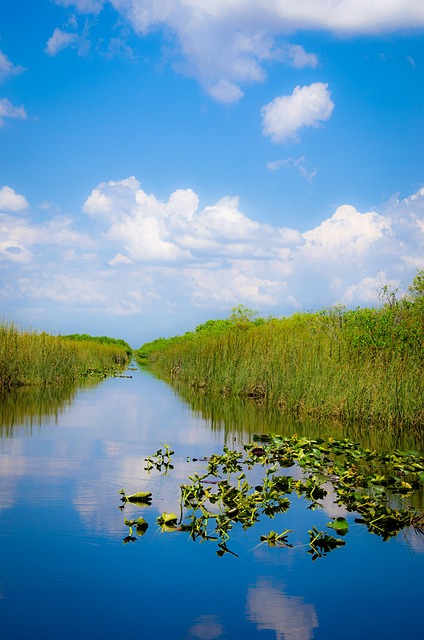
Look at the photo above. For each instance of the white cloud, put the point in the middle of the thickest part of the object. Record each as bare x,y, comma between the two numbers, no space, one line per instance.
306,107
97,203
119,259
226,44
12,201
168,259
19,235
348,234
225,91
83,6
61,288
236,282
296,163
60,40
14,251
8,110
145,228
7,68
299,58
367,290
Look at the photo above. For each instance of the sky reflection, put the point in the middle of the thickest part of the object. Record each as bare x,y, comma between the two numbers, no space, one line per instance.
270,608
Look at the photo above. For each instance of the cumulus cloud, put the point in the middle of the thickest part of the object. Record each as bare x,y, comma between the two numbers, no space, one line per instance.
224,257
146,229
347,234
351,16
226,45
367,289
163,259
7,68
19,235
8,110
12,201
306,107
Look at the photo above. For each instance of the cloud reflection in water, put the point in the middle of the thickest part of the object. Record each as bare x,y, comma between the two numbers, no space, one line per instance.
206,628
270,608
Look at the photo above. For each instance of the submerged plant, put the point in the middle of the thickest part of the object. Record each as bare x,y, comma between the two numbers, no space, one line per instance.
376,487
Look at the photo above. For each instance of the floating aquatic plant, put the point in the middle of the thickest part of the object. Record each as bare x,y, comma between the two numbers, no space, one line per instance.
161,460
376,487
141,498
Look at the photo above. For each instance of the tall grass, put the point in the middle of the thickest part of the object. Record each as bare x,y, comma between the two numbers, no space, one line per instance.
364,366
39,359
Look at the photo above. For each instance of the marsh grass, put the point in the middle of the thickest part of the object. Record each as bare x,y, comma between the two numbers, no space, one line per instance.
28,358
363,366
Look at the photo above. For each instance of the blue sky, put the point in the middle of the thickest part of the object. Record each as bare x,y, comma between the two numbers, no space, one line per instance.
163,161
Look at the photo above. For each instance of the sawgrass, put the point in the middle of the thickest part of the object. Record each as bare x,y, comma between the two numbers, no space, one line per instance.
28,358
363,366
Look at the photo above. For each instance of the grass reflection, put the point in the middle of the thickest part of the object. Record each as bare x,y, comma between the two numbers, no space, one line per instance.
29,406
240,418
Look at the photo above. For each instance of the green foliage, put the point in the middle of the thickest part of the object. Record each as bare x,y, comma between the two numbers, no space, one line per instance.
161,460
140,498
377,488
214,327
28,358
362,366
416,289
241,317
167,521
85,337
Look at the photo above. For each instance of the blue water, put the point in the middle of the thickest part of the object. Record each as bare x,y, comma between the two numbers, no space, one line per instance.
66,573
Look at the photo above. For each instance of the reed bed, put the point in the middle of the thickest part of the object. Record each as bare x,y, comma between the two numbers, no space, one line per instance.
363,366
28,358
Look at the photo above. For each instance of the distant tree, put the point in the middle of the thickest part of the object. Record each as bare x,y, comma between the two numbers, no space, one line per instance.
242,315
416,288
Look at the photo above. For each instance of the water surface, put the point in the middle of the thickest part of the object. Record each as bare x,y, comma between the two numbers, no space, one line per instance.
65,571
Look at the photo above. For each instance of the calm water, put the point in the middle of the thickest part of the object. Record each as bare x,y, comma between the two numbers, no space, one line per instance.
66,573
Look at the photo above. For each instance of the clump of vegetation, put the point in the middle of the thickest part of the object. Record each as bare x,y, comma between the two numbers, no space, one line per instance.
362,366
377,489
115,342
28,358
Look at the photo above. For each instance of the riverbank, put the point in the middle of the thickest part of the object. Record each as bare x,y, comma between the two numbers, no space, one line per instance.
363,366
28,358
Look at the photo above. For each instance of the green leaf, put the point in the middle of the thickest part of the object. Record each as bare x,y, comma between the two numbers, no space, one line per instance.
143,497
167,521
340,525
141,526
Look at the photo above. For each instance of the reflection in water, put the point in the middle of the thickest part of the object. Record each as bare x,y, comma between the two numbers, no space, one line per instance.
237,417
270,608
206,628
61,532
29,406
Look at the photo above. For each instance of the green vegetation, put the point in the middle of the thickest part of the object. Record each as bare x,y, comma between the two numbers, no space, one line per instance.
362,366
114,342
377,489
28,358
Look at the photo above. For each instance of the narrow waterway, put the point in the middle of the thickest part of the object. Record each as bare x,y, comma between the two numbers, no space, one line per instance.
65,571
